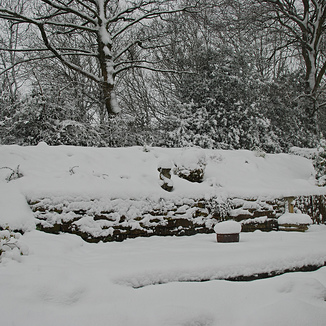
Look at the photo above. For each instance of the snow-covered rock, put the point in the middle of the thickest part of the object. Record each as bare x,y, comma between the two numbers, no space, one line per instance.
190,164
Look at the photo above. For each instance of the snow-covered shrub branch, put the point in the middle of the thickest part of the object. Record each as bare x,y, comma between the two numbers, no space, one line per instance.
318,157
219,207
10,246
320,164
15,173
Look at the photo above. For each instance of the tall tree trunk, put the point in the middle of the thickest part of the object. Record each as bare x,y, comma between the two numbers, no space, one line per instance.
108,98
107,85
106,64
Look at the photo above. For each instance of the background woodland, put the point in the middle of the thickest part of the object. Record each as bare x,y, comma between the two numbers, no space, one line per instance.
221,74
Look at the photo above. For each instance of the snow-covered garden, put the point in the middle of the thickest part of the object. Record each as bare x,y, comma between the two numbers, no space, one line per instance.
60,279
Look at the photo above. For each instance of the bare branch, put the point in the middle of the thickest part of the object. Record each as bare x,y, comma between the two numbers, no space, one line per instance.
73,26
153,69
25,61
14,16
62,59
77,50
150,15
284,46
82,3
131,62
36,59
69,9
120,15
126,49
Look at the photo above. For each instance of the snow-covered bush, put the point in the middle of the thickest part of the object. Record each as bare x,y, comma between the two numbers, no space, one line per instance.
191,165
320,164
221,120
318,157
220,208
78,134
39,117
228,104
125,130
10,246
259,152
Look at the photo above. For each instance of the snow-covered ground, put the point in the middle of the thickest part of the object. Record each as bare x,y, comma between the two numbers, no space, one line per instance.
155,281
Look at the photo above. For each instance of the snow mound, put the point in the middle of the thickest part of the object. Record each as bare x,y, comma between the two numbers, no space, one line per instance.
309,153
191,158
15,213
132,172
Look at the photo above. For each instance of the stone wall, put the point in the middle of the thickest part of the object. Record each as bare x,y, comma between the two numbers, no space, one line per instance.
118,219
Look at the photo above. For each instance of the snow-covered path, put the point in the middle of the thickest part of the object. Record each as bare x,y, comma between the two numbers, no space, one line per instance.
66,281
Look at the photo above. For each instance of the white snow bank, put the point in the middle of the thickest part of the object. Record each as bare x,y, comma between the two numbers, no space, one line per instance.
305,152
14,210
191,158
294,218
227,227
132,172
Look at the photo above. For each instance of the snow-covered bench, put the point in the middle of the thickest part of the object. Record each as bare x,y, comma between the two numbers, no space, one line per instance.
294,222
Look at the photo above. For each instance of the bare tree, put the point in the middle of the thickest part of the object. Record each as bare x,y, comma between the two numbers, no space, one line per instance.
303,23
101,31
13,78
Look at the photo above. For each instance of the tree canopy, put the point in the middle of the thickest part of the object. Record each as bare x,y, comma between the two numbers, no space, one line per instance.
234,74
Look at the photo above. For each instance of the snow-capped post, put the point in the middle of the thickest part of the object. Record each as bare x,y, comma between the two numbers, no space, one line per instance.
228,231
290,204
164,168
